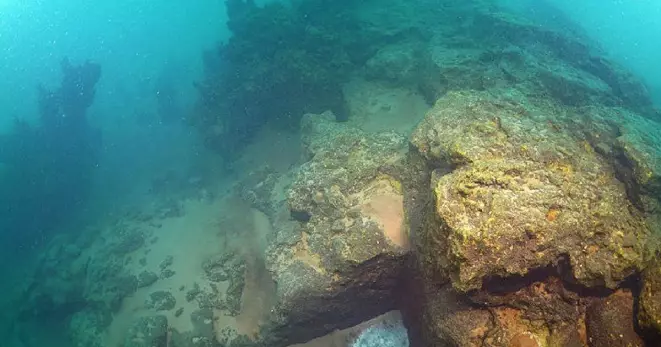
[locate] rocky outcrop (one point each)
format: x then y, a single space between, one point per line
524 210
649 304
609 321
513 194
533 219
529 197
545 171
340 263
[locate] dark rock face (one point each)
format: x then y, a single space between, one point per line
129 240
649 305
521 212
609 321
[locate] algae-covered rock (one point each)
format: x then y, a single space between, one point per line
446 319
339 264
161 301
649 304
150 331
235 288
514 192
146 278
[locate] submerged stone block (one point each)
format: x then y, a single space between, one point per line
515 194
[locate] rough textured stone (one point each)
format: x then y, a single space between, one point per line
543 158
649 304
541 313
609 322
256 189
515 194
339 264
161 301
217 267
565 63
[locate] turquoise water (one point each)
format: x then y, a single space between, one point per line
271 173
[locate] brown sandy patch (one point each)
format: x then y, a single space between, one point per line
258 294
384 203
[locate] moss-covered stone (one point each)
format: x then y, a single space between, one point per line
352 233
192 293
161 301
527 313
514 193
234 291
146 278
166 263
217 268
649 303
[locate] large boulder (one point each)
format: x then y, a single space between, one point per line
340 263
514 192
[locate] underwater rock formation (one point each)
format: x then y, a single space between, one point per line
524 210
341 263
649 303
542 205
282 61
521 195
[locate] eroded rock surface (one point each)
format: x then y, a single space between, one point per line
649 305
521 211
340 262
513 193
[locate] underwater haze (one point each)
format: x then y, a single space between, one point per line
330 173
628 30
